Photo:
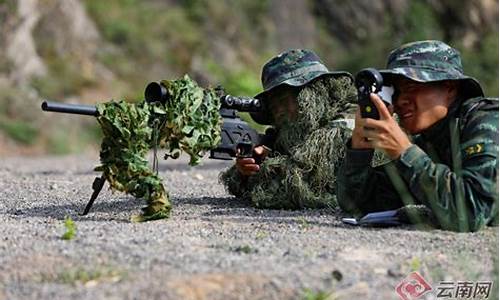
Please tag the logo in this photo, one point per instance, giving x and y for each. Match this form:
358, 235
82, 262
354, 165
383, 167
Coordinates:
413, 287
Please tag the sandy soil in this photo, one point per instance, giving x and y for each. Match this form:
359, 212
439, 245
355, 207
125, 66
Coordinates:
213, 247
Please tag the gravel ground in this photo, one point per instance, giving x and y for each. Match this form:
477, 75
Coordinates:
213, 246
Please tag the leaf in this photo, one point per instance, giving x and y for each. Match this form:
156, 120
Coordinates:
187, 129
190, 123
159, 110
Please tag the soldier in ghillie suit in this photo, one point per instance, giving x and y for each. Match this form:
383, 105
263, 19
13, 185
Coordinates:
307, 106
444, 150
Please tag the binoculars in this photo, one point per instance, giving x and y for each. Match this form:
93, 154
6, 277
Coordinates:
369, 81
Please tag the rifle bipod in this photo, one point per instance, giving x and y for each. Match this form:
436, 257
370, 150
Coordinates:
97, 187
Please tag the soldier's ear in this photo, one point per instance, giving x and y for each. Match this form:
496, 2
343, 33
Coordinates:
451, 87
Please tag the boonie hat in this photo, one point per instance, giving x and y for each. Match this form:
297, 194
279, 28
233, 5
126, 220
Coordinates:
294, 68
428, 61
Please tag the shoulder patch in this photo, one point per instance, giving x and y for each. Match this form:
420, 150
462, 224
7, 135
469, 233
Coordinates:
474, 149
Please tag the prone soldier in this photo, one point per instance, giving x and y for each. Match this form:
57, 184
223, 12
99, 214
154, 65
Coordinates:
307, 106
444, 150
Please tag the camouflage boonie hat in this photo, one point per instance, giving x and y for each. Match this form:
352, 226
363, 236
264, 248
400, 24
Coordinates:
428, 61
293, 68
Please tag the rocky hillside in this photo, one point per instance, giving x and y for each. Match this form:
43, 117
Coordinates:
90, 50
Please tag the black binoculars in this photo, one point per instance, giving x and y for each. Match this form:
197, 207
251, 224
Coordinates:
369, 81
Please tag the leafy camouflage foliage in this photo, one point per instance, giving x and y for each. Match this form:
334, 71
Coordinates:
190, 119
300, 171
188, 122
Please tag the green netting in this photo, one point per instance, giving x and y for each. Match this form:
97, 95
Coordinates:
189, 121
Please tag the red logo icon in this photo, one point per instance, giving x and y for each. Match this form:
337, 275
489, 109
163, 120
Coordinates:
413, 287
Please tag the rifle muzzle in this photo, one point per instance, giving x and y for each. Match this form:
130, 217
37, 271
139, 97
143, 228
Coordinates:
78, 109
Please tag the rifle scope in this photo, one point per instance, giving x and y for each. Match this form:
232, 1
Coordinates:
243, 104
156, 92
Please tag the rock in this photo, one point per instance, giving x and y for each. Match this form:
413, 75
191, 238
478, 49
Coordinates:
337, 275
21, 48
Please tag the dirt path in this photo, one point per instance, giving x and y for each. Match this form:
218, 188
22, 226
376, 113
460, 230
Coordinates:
213, 246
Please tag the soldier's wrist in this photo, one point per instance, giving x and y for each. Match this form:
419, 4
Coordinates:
358, 157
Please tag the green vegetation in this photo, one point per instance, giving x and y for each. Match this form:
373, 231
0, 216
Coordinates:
304, 224
246, 249
167, 39
415, 264
260, 235
417, 14
19, 131
64, 79
15, 117
481, 62
215, 42
317, 295
70, 226
80, 275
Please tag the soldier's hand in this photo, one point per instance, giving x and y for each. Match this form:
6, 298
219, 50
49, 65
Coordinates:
384, 134
358, 141
250, 165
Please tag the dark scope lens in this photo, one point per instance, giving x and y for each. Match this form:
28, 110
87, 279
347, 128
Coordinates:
155, 92
369, 77
229, 101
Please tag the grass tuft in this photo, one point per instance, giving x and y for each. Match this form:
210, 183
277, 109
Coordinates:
70, 226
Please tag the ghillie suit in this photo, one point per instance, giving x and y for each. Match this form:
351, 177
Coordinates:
189, 121
301, 169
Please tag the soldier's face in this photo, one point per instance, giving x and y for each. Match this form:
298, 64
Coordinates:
421, 105
283, 106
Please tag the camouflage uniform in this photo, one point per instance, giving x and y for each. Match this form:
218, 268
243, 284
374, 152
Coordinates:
300, 170
451, 167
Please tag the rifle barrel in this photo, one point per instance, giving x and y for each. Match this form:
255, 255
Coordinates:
79, 109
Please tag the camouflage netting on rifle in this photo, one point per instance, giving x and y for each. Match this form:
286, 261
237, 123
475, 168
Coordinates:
300, 171
188, 122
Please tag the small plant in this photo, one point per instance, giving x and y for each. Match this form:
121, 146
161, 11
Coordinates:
85, 276
303, 222
317, 295
244, 249
260, 235
415, 264
70, 226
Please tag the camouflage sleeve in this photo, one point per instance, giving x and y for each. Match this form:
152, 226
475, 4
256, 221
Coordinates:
362, 188
462, 198
240, 185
